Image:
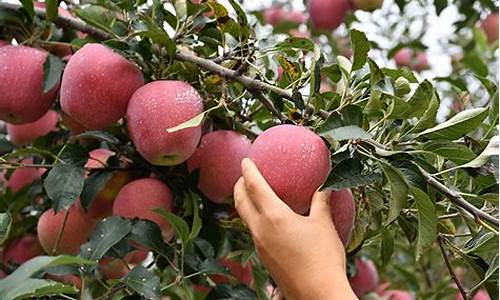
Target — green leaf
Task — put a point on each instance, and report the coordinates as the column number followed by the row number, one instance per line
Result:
column 92, row 186
column 473, row 61
column 361, row 47
column 420, row 100
column 459, row 125
column 144, row 282
column 97, row 135
column 64, row 184
column 375, row 73
column 180, row 9
column 333, row 72
column 51, row 9
column 197, row 222
column 52, row 70
column 196, row 121
column 32, row 287
column 440, row 5
column 399, row 191
column 19, row 281
column 348, row 174
column 180, row 226
column 490, row 150
column 5, row 225
column 429, row 117
column 386, row 246
column 347, row 133
column 242, row 19
column 427, row 221
column 29, row 7
column 296, row 43
column 148, row 234
column 97, row 16
column 457, row 153
column 106, row 234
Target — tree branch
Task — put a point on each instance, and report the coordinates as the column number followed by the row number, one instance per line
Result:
column 253, row 85
column 458, row 199
column 450, row 269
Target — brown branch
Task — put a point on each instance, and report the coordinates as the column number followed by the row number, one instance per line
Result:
column 450, row 269
column 458, row 199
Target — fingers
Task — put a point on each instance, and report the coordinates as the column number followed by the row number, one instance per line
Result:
column 261, row 194
column 320, row 205
column 243, row 204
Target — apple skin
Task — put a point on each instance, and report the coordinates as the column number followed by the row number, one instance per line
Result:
column 415, row 60
column 219, row 160
column 22, row 99
column 243, row 274
column 327, row 15
column 294, row 161
column 276, row 15
column 490, row 27
column 4, row 43
column 367, row 4
column 480, row 295
column 77, row 230
column 160, row 105
column 397, row 295
column 366, row 278
column 21, row 250
column 22, row 177
column 27, row 133
column 73, row 126
column 113, row 268
column 140, row 197
column 343, row 209
column 96, row 86
column 102, row 205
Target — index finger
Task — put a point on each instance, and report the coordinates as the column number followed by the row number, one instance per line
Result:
column 261, row 194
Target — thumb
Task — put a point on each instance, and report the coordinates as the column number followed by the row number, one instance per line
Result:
column 320, row 205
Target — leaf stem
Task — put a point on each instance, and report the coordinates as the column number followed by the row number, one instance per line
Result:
column 450, row 269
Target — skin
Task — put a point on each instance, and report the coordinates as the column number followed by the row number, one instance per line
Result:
column 303, row 265
column 327, row 15
column 27, row 133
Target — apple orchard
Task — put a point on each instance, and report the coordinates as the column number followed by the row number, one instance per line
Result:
column 124, row 124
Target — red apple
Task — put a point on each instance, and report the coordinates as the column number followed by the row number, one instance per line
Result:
column 139, row 199
column 366, row 278
column 22, row 177
column 490, row 27
column 21, row 249
column 76, row 231
column 22, row 99
column 112, row 268
column 73, row 126
column 294, row 161
column 367, row 4
column 343, row 209
column 480, row 295
column 73, row 280
column 4, row 43
column 27, row 133
column 415, row 60
column 97, row 85
column 219, row 160
column 299, row 33
column 156, row 107
column 276, row 15
column 328, row 14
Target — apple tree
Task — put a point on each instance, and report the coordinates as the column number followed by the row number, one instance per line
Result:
column 124, row 123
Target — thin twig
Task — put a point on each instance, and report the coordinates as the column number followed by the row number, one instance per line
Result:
column 450, row 269
column 61, row 232
column 457, row 199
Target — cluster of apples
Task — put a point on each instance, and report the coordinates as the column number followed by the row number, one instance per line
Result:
column 98, row 88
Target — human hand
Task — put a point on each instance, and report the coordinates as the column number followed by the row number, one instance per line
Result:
column 303, row 253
